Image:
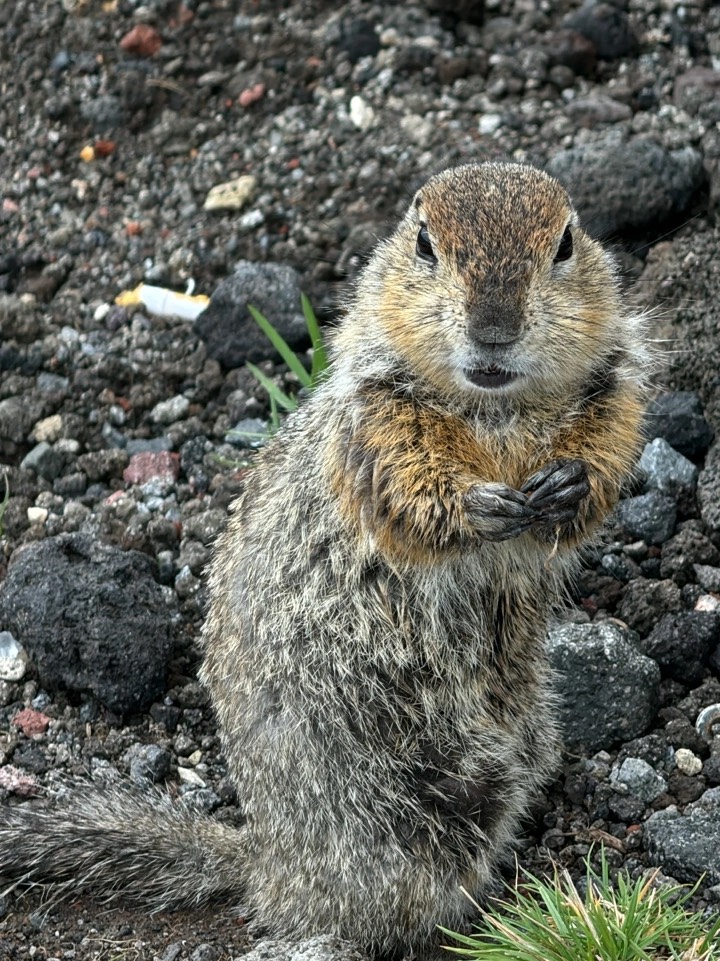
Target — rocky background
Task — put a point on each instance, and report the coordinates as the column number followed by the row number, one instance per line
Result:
column 124, row 436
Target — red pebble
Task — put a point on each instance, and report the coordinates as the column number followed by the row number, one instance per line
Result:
column 150, row 465
column 252, row 95
column 31, row 722
column 143, row 41
column 103, row 148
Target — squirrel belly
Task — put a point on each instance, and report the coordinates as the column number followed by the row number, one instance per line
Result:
column 379, row 599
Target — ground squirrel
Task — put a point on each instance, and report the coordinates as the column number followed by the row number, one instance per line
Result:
column 374, row 646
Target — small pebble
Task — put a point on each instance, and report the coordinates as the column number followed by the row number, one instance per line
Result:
column 31, row 722
column 163, row 466
column 48, row 429
column 252, row 95
column 687, row 762
column 362, row 114
column 168, row 411
column 142, row 41
column 37, row 515
column 189, row 776
column 489, row 123
column 231, row 195
column 13, row 658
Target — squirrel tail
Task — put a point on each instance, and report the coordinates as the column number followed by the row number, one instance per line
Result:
column 113, row 843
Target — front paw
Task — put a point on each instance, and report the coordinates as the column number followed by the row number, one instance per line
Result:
column 557, row 490
column 497, row 512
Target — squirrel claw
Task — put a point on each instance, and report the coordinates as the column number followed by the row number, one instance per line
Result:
column 557, row 488
column 498, row 512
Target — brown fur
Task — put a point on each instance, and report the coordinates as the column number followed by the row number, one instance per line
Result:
column 374, row 648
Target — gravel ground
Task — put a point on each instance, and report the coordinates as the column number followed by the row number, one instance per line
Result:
column 117, row 428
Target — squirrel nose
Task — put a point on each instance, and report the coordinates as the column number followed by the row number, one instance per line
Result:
column 495, row 323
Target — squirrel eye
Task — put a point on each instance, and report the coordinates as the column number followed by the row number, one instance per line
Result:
column 564, row 251
column 423, row 247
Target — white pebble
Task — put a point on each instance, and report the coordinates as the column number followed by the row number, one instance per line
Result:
column 489, row 123
column 13, row 659
column 168, row 411
column 707, row 602
column 190, row 777
column 48, row 429
column 687, row 762
column 37, row 515
column 250, row 220
column 362, row 114
column 101, row 312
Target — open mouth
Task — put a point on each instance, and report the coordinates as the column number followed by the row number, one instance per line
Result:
column 492, row 376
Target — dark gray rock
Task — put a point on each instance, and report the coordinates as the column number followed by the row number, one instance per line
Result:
column 16, row 419
column 92, row 619
column 569, row 50
column 101, row 465
column 205, row 952
column 597, row 109
column 249, row 432
column 44, row 460
column 148, row 762
column 608, row 689
column 649, row 517
column 104, row 113
column 358, row 39
column 652, row 748
column 230, row 333
column 682, row 643
column 707, row 577
column 711, row 770
column 204, row 526
column 715, row 660
column 687, row 845
column 607, row 27
column 644, row 601
column 639, row 779
column 708, row 490
column 666, row 470
column 677, row 416
column 680, row 733
column 683, row 551
column 628, row 188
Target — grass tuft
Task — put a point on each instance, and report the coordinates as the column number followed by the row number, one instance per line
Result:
column 552, row 921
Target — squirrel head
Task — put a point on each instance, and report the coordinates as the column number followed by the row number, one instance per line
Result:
column 490, row 287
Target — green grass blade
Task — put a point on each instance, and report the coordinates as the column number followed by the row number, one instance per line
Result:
column 282, row 347
column 277, row 395
column 320, row 357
